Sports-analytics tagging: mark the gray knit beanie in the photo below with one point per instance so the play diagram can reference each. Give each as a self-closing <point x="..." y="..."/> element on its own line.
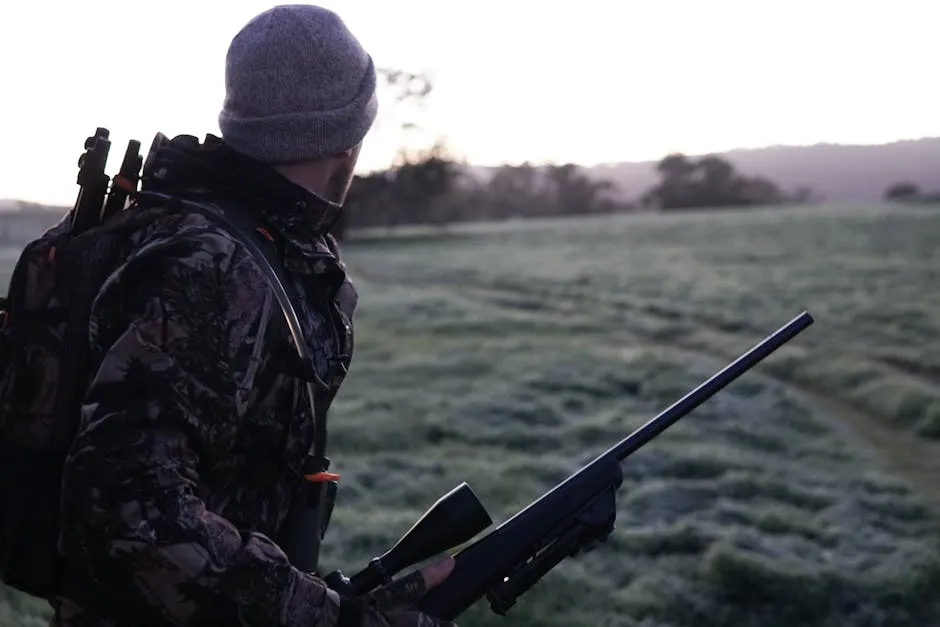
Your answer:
<point x="298" y="86"/>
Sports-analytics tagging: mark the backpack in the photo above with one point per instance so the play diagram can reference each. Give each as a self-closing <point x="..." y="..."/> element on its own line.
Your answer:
<point x="43" y="371"/>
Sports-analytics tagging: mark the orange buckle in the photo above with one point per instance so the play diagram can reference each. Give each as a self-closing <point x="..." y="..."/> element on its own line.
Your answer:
<point x="125" y="183"/>
<point x="322" y="477"/>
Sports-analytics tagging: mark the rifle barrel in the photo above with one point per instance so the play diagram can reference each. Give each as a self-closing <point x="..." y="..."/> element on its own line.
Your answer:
<point x="709" y="388"/>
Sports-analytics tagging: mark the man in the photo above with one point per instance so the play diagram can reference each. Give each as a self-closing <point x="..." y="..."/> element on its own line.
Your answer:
<point x="193" y="428"/>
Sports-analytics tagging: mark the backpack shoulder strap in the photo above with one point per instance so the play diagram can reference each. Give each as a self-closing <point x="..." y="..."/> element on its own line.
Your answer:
<point x="245" y="229"/>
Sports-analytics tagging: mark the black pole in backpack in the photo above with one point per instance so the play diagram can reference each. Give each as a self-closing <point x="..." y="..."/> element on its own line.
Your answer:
<point x="124" y="183"/>
<point x="92" y="181"/>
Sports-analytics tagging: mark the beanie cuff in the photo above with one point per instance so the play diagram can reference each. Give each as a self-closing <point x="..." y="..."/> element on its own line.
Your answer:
<point x="304" y="135"/>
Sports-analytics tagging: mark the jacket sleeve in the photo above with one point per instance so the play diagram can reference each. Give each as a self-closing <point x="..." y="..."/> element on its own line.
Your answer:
<point x="179" y="331"/>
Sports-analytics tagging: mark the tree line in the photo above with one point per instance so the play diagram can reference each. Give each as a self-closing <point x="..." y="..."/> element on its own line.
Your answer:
<point x="433" y="188"/>
<point x="908" y="192"/>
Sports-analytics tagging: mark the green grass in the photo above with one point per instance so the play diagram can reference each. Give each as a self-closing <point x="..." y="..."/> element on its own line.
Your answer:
<point x="805" y="494"/>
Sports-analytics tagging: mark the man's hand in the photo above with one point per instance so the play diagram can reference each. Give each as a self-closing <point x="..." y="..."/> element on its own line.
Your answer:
<point x="392" y="605"/>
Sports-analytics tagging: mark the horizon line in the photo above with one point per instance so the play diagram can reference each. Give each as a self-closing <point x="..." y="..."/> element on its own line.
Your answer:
<point x="604" y="164"/>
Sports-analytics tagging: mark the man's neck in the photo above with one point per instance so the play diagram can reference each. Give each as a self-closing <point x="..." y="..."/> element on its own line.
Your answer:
<point x="314" y="178"/>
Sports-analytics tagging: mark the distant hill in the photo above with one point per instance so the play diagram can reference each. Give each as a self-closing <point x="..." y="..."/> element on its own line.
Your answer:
<point x="840" y="173"/>
<point x="10" y="205"/>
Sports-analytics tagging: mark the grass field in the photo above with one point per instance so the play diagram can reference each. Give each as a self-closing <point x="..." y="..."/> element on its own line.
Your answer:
<point x="805" y="494"/>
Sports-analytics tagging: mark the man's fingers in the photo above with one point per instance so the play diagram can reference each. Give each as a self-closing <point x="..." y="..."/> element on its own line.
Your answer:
<point x="436" y="573"/>
<point x="408" y="590"/>
<point x="403" y="592"/>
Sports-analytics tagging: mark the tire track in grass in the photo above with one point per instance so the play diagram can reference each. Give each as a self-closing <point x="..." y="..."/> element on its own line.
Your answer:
<point x="912" y="458"/>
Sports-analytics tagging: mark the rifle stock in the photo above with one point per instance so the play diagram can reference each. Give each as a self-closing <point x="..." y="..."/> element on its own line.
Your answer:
<point x="571" y="518"/>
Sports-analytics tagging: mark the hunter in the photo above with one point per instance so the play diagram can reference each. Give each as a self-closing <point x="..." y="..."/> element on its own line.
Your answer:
<point x="192" y="431"/>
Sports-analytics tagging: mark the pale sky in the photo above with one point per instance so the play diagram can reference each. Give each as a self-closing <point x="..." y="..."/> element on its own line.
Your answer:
<point x="587" y="81"/>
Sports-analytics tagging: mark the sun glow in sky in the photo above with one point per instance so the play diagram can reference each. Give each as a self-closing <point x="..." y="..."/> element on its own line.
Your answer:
<point x="541" y="80"/>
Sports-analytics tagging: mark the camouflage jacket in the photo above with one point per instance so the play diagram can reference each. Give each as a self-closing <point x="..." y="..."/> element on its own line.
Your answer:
<point x="193" y="429"/>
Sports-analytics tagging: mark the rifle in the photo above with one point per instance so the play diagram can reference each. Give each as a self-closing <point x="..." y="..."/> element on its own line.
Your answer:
<point x="571" y="518"/>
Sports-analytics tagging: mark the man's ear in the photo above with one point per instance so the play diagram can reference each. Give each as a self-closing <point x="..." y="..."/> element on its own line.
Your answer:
<point x="350" y="152"/>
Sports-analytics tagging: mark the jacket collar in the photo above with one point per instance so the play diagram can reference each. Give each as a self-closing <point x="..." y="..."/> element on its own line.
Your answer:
<point x="213" y="169"/>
